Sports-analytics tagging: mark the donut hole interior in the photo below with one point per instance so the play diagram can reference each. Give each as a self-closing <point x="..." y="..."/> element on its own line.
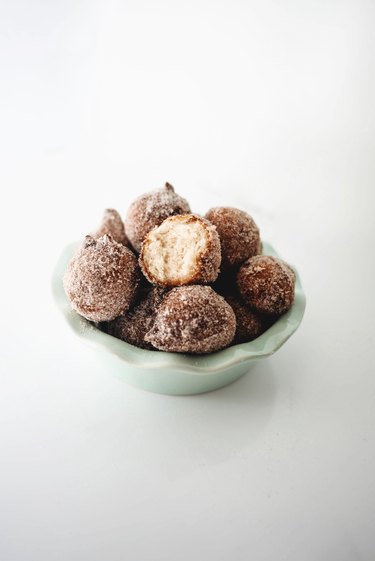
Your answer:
<point x="174" y="249"/>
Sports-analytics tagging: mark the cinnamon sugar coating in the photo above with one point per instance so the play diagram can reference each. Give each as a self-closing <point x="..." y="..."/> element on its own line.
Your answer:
<point x="101" y="279"/>
<point x="112" y="225"/>
<point x="192" y="319"/>
<point x="133" y="325"/>
<point x="239" y="235"/>
<point x="250" y="324"/>
<point x="149" y="210"/>
<point x="267" y="284"/>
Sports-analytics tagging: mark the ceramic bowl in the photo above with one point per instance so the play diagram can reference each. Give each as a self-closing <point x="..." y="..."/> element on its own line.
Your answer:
<point x="173" y="373"/>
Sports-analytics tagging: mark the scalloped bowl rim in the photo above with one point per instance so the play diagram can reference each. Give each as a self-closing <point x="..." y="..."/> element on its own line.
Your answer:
<point x="265" y="345"/>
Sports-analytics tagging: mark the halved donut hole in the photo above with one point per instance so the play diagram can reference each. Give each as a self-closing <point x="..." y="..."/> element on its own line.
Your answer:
<point x="183" y="249"/>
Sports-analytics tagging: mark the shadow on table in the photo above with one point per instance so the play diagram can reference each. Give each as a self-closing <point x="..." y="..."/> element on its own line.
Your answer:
<point x="188" y="433"/>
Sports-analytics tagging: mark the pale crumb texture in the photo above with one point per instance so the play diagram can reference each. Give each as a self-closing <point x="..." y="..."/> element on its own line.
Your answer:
<point x="267" y="284"/>
<point x="250" y="324"/>
<point x="184" y="249"/>
<point x="239" y="235"/>
<point x="149" y="210"/>
<point x="192" y="319"/>
<point x="112" y="225"/>
<point x="101" y="279"/>
<point x="133" y="325"/>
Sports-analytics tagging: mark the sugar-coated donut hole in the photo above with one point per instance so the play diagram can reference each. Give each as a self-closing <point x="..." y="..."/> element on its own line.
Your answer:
<point x="267" y="284"/>
<point x="149" y="210"/>
<point x="182" y="250"/>
<point x="250" y="324"/>
<point x="173" y="252"/>
<point x="102" y="279"/>
<point x="192" y="319"/>
<point x="112" y="225"/>
<point x="239" y="235"/>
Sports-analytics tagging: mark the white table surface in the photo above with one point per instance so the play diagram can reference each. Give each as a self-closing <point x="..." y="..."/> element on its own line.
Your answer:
<point x="268" y="106"/>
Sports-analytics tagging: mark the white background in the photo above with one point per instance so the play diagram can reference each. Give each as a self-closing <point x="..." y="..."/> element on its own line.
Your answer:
<point x="268" y="106"/>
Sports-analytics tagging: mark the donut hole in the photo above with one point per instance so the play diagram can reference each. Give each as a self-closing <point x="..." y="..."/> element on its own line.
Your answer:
<point x="173" y="250"/>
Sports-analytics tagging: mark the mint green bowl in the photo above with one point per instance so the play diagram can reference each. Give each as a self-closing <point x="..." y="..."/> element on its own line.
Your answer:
<point x="173" y="373"/>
